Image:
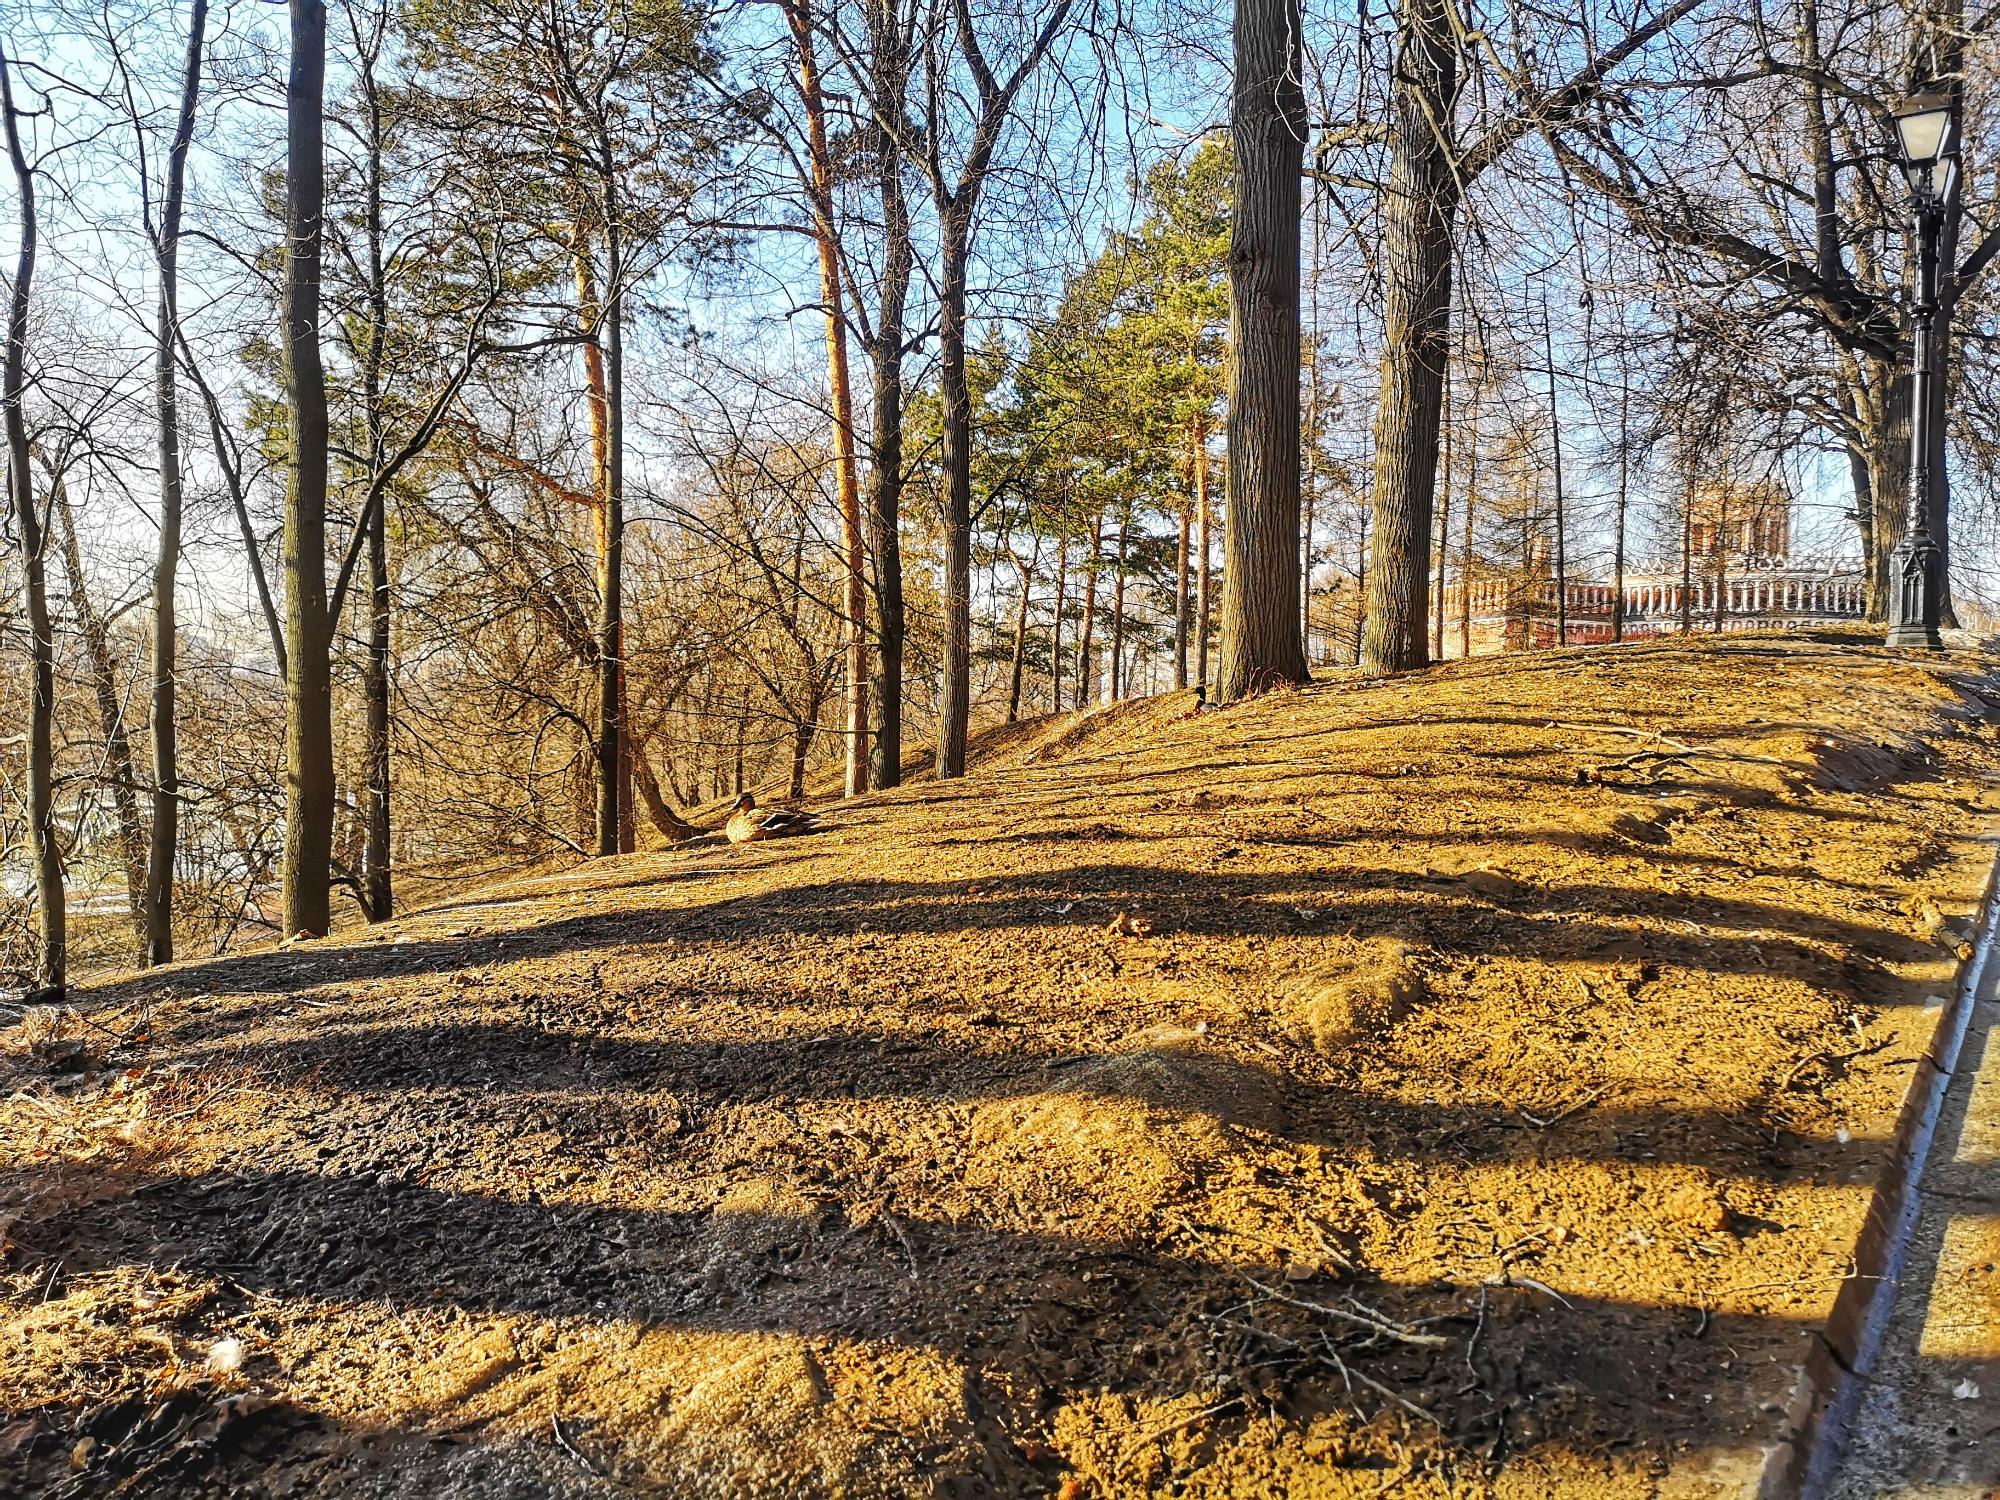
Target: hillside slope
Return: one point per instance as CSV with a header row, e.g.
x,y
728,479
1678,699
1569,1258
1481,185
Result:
x,y
1464,1084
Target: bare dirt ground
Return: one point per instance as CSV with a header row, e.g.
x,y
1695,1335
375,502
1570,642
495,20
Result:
x,y
1439,1087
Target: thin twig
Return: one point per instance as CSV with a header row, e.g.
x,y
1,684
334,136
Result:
x,y
1510,1279
1478,1328
1826,1055
903,1240
555,1426
1367,1318
1564,1113
1340,1365
1132,1450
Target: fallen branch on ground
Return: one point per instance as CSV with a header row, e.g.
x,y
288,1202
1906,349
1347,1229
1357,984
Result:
x,y
1363,1316
1132,1449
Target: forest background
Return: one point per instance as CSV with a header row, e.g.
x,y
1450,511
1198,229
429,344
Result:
x,y
771,395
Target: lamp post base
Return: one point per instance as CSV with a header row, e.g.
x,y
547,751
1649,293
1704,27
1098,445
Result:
x,y
1916,593
1918,636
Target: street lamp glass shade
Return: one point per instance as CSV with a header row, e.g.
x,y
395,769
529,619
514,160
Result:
x,y
1924,128
1944,177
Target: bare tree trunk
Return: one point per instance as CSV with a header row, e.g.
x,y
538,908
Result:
x,y
846,464
1624,492
1261,645
614,828
1465,552
1021,633
628,803
1420,207
1687,555
1556,455
1887,431
376,861
676,828
597,402
1091,564
110,715
957,206
1055,625
1361,587
1310,440
889,82
1181,602
1206,550
1443,524
228,460
308,861
801,753
1119,687
157,909
955,705
377,881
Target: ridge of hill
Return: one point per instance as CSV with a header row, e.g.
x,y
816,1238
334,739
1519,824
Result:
x,y
1467,1083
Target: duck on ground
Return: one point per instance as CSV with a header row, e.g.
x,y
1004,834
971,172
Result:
x,y
748,822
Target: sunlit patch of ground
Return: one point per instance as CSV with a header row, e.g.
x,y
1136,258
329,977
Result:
x,y
1458,1085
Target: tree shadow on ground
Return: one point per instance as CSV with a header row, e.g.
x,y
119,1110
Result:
x,y
461,1067
1701,931
1497,1369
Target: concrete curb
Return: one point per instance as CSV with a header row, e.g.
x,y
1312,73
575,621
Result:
x,y
1803,1459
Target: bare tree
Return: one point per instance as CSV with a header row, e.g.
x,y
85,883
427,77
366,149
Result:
x,y
1430,170
166,236
1261,645
957,197
52,969
309,785
889,45
855,595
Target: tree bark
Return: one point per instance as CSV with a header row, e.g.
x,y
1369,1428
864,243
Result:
x,y
1119,687
1027,570
1886,436
309,784
1465,553
614,828
52,968
889,70
1556,458
377,881
1091,564
1205,549
1443,524
958,206
676,828
1181,600
846,464
1419,210
1687,554
955,703
1624,494
1055,624
157,912
1261,646
376,859
802,738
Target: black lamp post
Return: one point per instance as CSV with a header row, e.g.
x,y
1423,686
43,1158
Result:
x,y
1927,136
